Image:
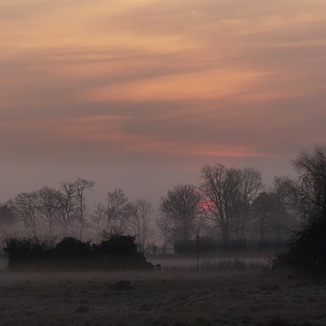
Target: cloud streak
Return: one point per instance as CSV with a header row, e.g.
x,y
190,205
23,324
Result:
x,y
202,85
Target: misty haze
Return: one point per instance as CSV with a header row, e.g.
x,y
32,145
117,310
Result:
x,y
225,252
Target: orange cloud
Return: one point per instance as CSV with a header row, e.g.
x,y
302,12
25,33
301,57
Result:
x,y
148,50
151,145
109,130
199,85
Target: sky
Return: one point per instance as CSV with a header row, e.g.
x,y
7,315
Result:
x,y
141,94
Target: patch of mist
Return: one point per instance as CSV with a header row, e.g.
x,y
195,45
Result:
x,y
213,263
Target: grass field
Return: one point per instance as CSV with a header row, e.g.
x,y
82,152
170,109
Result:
x,y
167,297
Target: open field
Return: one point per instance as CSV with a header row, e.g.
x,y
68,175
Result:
x,y
160,298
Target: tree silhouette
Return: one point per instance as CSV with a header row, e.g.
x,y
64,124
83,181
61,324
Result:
x,y
25,209
307,250
221,189
181,206
48,206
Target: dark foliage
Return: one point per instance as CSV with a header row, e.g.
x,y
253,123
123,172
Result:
x,y
118,252
70,247
24,252
306,253
117,245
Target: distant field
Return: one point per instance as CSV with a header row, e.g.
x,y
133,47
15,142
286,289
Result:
x,y
163,297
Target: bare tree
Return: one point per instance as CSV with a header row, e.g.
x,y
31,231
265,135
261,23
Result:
x,y
181,205
25,209
275,211
49,206
140,214
311,169
67,206
98,217
267,214
73,203
116,211
164,230
221,189
306,251
81,185
286,190
250,185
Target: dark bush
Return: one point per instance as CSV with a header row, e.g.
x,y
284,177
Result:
x,y
71,247
24,251
306,252
117,245
118,252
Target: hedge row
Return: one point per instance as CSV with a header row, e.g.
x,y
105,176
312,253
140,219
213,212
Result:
x,y
119,252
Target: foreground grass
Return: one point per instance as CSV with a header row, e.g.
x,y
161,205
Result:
x,y
160,298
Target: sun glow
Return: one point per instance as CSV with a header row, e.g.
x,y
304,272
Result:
x,y
207,207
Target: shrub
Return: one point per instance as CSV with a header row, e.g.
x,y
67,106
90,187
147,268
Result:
x,y
117,245
70,253
71,247
307,251
24,251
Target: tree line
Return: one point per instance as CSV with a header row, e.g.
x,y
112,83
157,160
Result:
x,y
229,204
234,204
65,212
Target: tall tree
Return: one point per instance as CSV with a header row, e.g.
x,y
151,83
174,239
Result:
x,y
306,252
117,213
67,206
275,212
73,203
98,217
250,185
164,230
181,205
81,185
311,170
25,209
140,215
221,189
267,214
49,206
286,190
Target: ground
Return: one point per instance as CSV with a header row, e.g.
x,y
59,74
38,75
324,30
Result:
x,y
161,297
